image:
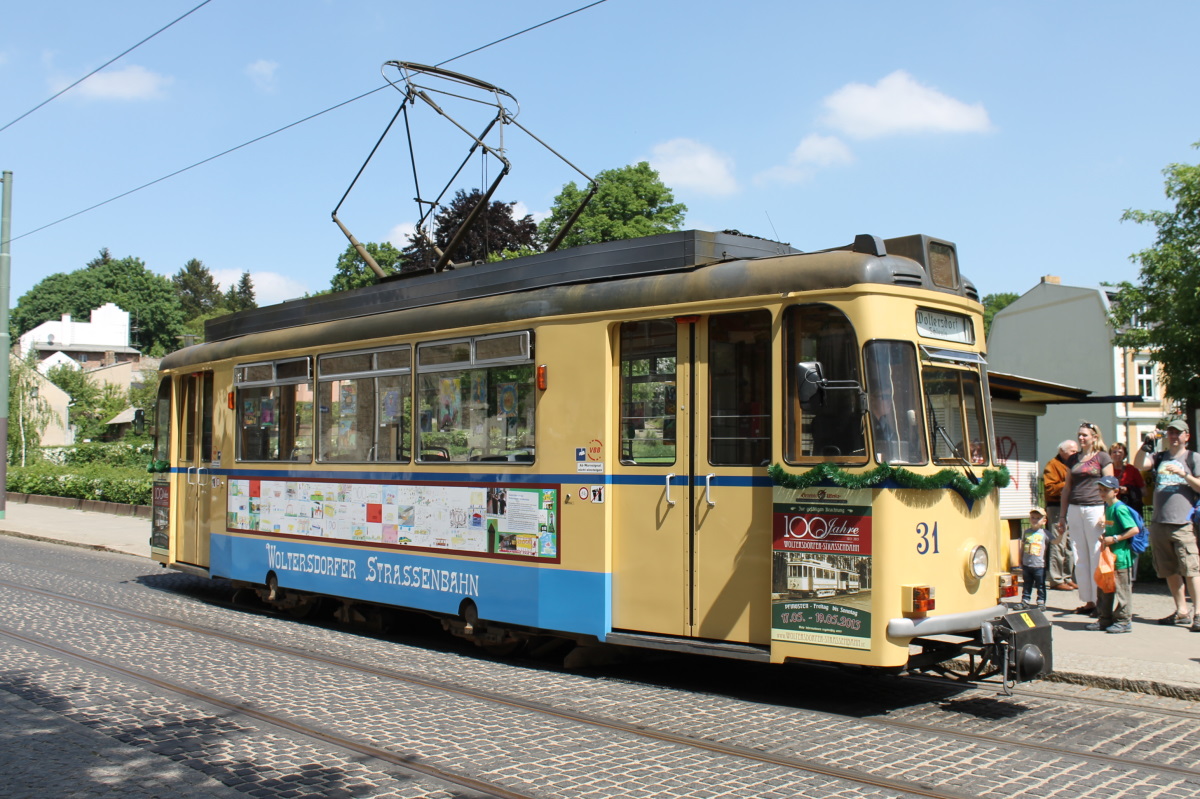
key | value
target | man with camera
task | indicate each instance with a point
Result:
(1176, 476)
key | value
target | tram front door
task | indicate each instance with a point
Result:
(691, 538)
(195, 457)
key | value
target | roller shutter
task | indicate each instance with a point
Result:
(1016, 448)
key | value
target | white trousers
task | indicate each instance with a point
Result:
(1085, 525)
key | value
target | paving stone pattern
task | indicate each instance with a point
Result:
(560, 758)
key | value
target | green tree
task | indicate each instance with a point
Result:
(495, 230)
(1160, 312)
(240, 297)
(28, 412)
(630, 201)
(150, 300)
(353, 272)
(993, 304)
(92, 405)
(198, 293)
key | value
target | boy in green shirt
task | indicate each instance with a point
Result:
(1116, 609)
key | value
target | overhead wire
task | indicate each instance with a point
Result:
(277, 130)
(102, 66)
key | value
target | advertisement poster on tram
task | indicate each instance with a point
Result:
(821, 566)
(160, 519)
(498, 520)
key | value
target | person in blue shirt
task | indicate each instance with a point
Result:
(1116, 609)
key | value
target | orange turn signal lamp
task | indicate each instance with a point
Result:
(918, 598)
(542, 380)
(1008, 585)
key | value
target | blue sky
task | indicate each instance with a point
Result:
(1019, 130)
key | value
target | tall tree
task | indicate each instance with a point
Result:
(353, 272)
(494, 231)
(149, 298)
(630, 201)
(198, 293)
(992, 305)
(240, 297)
(28, 411)
(1160, 311)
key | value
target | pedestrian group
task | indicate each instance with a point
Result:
(1095, 499)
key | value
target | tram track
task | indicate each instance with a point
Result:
(599, 722)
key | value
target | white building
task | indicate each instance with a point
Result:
(1062, 334)
(103, 341)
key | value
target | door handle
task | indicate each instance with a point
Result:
(200, 469)
(189, 475)
(670, 477)
(708, 478)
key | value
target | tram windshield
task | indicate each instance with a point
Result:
(894, 400)
(956, 412)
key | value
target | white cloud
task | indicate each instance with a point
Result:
(269, 287)
(899, 104)
(812, 153)
(688, 164)
(128, 83)
(399, 235)
(262, 73)
(520, 209)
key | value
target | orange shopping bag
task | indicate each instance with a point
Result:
(1106, 571)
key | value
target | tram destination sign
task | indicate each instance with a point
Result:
(945, 326)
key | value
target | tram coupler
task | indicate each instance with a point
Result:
(1020, 645)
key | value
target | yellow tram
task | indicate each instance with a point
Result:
(632, 443)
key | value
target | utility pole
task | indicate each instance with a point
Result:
(5, 339)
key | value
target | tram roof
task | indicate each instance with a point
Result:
(688, 266)
(648, 255)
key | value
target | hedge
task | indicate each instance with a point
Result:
(130, 454)
(92, 481)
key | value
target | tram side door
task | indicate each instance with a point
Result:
(651, 509)
(691, 532)
(731, 502)
(195, 459)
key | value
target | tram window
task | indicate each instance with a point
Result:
(739, 387)
(832, 430)
(648, 360)
(894, 401)
(476, 400)
(162, 421)
(956, 410)
(365, 405)
(275, 411)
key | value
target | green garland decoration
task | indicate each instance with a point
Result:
(946, 478)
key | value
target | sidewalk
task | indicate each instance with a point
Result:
(1152, 659)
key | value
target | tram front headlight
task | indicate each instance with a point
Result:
(977, 565)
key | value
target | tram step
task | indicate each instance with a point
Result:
(691, 646)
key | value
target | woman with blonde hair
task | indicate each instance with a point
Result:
(1083, 509)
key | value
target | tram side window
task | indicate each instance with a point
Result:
(162, 421)
(894, 400)
(956, 410)
(365, 405)
(476, 399)
(830, 427)
(739, 385)
(275, 410)
(648, 361)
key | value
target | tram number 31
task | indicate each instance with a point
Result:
(929, 539)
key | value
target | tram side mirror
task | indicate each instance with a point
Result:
(810, 384)
(139, 422)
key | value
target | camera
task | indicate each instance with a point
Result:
(1149, 438)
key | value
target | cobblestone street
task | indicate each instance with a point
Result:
(123, 679)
